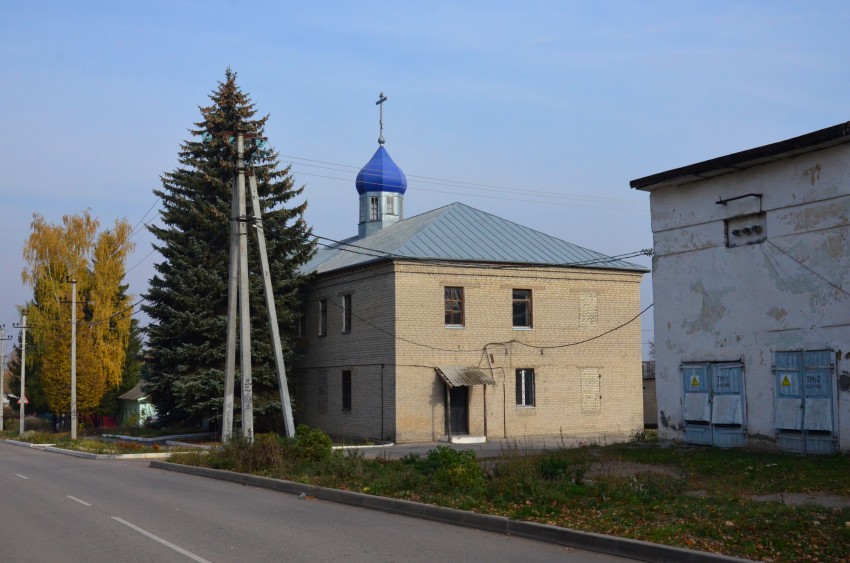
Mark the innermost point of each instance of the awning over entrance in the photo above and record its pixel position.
(461, 376)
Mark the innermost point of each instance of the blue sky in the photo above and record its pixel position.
(558, 104)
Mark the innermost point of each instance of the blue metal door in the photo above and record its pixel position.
(697, 407)
(727, 408)
(804, 412)
(714, 404)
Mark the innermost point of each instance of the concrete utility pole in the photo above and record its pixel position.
(238, 304)
(74, 359)
(288, 422)
(3, 339)
(232, 301)
(22, 400)
(244, 309)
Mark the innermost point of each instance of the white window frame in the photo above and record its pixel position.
(346, 313)
(527, 397)
(323, 317)
(374, 208)
(529, 310)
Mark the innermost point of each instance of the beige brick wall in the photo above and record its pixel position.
(368, 351)
(399, 324)
(569, 305)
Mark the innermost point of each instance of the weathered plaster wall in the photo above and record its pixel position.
(790, 292)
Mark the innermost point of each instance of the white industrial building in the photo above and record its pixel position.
(751, 277)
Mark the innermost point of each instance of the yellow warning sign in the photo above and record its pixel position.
(785, 381)
(695, 381)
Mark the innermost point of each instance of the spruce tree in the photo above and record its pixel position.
(187, 298)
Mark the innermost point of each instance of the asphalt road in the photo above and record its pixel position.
(60, 508)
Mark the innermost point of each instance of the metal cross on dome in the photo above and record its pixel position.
(380, 103)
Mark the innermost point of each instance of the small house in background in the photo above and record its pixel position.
(751, 276)
(135, 407)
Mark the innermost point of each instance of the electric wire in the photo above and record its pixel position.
(135, 228)
(490, 196)
(451, 183)
(829, 282)
(503, 343)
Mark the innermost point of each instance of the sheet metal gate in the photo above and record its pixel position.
(804, 401)
(714, 404)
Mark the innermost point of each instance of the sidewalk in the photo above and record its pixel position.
(491, 448)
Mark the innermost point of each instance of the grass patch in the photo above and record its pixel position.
(683, 496)
(89, 444)
(95, 446)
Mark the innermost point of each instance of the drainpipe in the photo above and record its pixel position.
(382, 402)
(485, 411)
(449, 412)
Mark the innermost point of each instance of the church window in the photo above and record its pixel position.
(346, 390)
(525, 387)
(374, 208)
(323, 317)
(346, 312)
(454, 306)
(522, 308)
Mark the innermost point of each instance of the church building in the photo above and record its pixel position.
(459, 325)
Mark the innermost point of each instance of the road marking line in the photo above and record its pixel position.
(22, 476)
(84, 503)
(166, 543)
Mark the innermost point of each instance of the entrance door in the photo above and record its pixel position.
(804, 401)
(713, 405)
(459, 415)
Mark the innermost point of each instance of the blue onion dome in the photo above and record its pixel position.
(381, 175)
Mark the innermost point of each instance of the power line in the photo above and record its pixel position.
(345, 246)
(145, 257)
(836, 286)
(134, 231)
(505, 343)
(455, 183)
(488, 196)
(628, 322)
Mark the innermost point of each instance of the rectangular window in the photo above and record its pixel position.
(454, 306)
(522, 308)
(525, 387)
(374, 208)
(346, 312)
(363, 208)
(323, 317)
(346, 390)
(388, 206)
(302, 322)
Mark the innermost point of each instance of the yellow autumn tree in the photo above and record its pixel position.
(55, 254)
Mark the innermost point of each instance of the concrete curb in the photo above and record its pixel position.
(158, 438)
(86, 455)
(612, 545)
(27, 444)
(89, 455)
(364, 446)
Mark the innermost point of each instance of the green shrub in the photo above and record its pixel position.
(312, 444)
(37, 424)
(553, 467)
(452, 469)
